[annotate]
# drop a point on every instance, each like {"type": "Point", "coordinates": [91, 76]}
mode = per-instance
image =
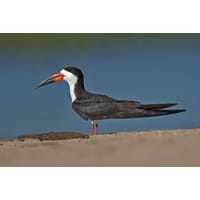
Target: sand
{"type": "Point", "coordinates": [169, 148]}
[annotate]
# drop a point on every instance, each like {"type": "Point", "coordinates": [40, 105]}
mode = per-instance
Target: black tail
{"type": "Point", "coordinates": [170, 112]}
{"type": "Point", "coordinates": [157, 106]}
{"type": "Point", "coordinates": [159, 109]}
{"type": "Point", "coordinates": [131, 110]}
{"type": "Point", "coordinates": [157, 113]}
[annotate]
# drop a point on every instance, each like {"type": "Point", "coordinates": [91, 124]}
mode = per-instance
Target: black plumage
{"type": "Point", "coordinates": [92, 106]}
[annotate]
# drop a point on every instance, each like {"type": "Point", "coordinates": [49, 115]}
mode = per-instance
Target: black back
{"type": "Point", "coordinates": [97, 107]}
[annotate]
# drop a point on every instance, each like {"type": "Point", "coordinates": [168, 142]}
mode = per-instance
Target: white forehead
{"type": "Point", "coordinates": [66, 73]}
{"type": "Point", "coordinates": [69, 77]}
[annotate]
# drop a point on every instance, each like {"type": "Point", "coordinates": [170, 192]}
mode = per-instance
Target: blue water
{"type": "Point", "coordinates": [150, 70]}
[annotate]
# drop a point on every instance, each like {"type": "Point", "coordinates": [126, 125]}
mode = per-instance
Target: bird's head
{"type": "Point", "coordinates": [69, 74]}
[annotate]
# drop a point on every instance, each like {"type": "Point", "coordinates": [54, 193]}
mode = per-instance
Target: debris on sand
{"type": "Point", "coordinates": [52, 136]}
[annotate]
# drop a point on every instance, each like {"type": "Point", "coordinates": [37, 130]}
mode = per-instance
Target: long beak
{"type": "Point", "coordinates": [52, 79]}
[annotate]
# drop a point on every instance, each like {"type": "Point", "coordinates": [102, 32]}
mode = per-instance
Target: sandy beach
{"type": "Point", "coordinates": [144, 149]}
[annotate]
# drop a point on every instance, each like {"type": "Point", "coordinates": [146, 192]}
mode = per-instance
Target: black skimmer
{"type": "Point", "coordinates": [95, 107]}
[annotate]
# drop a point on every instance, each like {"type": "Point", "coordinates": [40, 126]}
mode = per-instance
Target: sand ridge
{"type": "Point", "coordinates": [149, 148]}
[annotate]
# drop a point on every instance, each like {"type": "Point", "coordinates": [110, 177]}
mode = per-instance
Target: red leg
{"type": "Point", "coordinates": [94, 127]}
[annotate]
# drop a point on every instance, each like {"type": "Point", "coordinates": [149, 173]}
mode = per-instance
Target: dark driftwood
{"type": "Point", "coordinates": [54, 136]}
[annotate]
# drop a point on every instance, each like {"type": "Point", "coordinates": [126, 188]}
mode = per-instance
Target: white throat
{"type": "Point", "coordinates": [71, 79]}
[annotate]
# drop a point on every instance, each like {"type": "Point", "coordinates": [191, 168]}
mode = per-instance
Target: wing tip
{"type": "Point", "coordinates": [158, 106]}
{"type": "Point", "coordinates": [175, 111]}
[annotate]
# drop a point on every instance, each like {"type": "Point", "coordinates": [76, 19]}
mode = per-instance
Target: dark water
{"type": "Point", "coordinates": [151, 68]}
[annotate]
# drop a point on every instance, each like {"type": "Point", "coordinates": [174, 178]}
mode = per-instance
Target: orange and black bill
{"type": "Point", "coordinates": [52, 79]}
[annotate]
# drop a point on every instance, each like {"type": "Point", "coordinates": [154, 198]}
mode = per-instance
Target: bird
{"type": "Point", "coordinates": [95, 107]}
